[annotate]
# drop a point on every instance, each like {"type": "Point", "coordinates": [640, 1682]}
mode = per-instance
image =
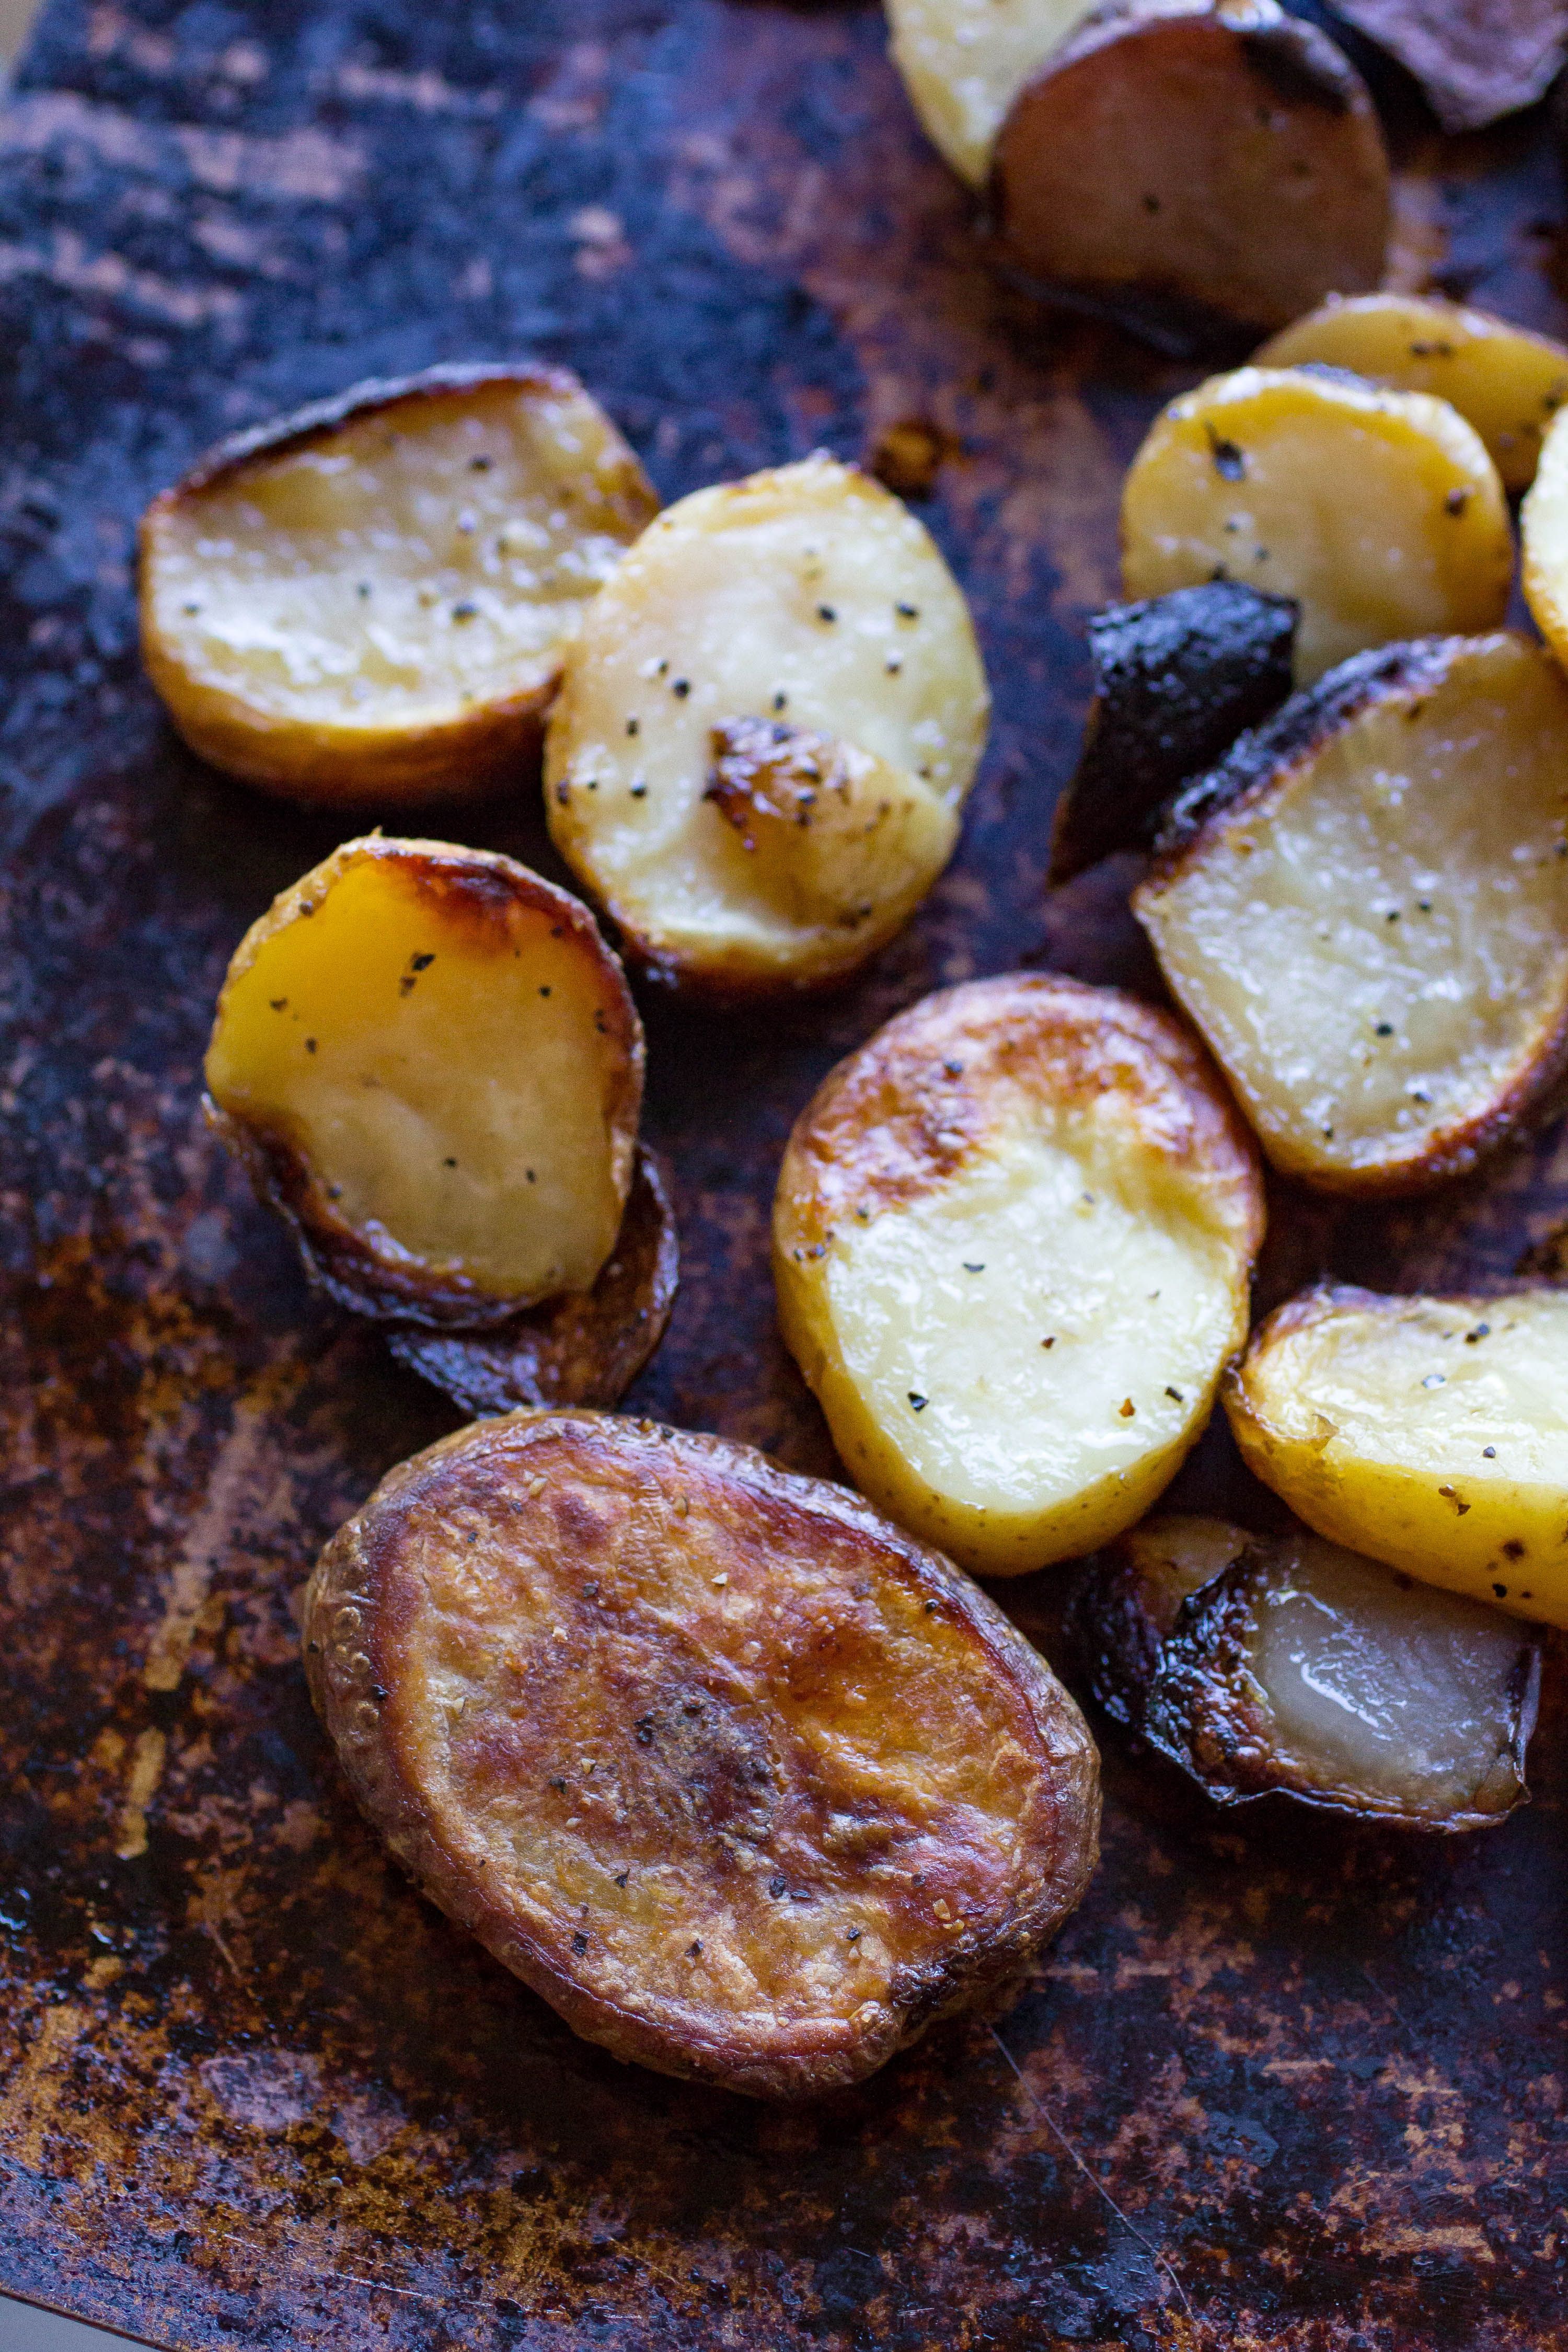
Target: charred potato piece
{"type": "Point", "coordinates": [1505, 381]}
{"type": "Point", "coordinates": [1176, 681]}
{"type": "Point", "coordinates": [1474, 62]}
{"type": "Point", "coordinates": [1544, 518]}
{"type": "Point", "coordinates": [1370, 921]}
{"type": "Point", "coordinates": [766, 731]}
{"type": "Point", "coordinates": [1217, 156]}
{"type": "Point", "coordinates": [1379, 511]}
{"type": "Point", "coordinates": [1012, 1241]}
{"type": "Point", "coordinates": [1428, 1432]}
{"type": "Point", "coordinates": [584, 1347]}
{"type": "Point", "coordinates": [964, 61]}
{"type": "Point", "coordinates": [748, 1786]}
{"type": "Point", "coordinates": [1284, 1663]}
{"type": "Point", "coordinates": [370, 601]}
{"type": "Point", "coordinates": [433, 1066]}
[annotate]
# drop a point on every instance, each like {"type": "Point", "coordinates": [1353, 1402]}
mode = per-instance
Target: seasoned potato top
{"type": "Point", "coordinates": [744, 1780]}
{"type": "Point", "coordinates": [809, 597]}
{"type": "Point", "coordinates": [401, 563]}
{"type": "Point", "coordinates": [1017, 1226]}
{"type": "Point", "coordinates": [964, 61]}
{"type": "Point", "coordinates": [443, 1065]}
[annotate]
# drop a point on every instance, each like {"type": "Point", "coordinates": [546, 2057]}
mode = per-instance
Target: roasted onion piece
{"type": "Point", "coordinates": [747, 1785]}
{"type": "Point", "coordinates": [1365, 911]}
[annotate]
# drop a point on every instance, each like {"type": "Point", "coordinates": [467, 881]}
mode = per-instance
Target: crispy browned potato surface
{"type": "Point", "coordinates": [586, 1347]}
{"type": "Point", "coordinates": [1370, 921]}
{"type": "Point", "coordinates": [433, 1066]}
{"type": "Point", "coordinates": [369, 602]}
{"type": "Point", "coordinates": [1214, 154]}
{"type": "Point", "coordinates": [749, 1787]}
{"type": "Point", "coordinates": [1012, 1240]}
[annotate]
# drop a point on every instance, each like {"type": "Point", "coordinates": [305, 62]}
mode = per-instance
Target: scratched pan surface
{"type": "Point", "coordinates": [1279, 2083]}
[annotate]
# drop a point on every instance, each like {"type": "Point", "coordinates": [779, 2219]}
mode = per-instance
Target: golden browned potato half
{"type": "Point", "coordinates": [1012, 1240]}
{"type": "Point", "coordinates": [1428, 1432]}
{"type": "Point", "coordinates": [766, 731]}
{"type": "Point", "coordinates": [1285, 1663]}
{"type": "Point", "coordinates": [433, 1065]}
{"type": "Point", "coordinates": [369, 602]}
{"type": "Point", "coordinates": [1379, 511]}
{"type": "Point", "coordinates": [1506, 381]}
{"type": "Point", "coordinates": [748, 1786]}
{"type": "Point", "coordinates": [964, 61]}
{"type": "Point", "coordinates": [1365, 911]}
{"type": "Point", "coordinates": [1215, 155]}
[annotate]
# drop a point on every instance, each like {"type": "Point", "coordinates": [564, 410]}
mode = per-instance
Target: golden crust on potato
{"type": "Point", "coordinates": [1431, 1433]}
{"type": "Point", "coordinates": [1379, 512]}
{"type": "Point", "coordinates": [433, 1066]}
{"type": "Point", "coordinates": [1506, 381]}
{"type": "Point", "coordinates": [964, 61]}
{"type": "Point", "coordinates": [1012, 1240]}
{"type": "Point", "coordinates": [1218, 156]}
{"type": "Point", "coordinates": [1364, 909]}
{"type": "Point", "coordinates": [748, 1786]}
{"type": "Point", "coordinates": [808, 602]}
{"type": "Point", "coordinates": [369, 601]}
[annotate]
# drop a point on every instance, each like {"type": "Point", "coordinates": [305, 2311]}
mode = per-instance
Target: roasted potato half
{"type": "Point", "coordinates": [1176, 681]}
{"type": "Point", "coordinates": [1379, 511]}
{"type": "Point", "coordinates": [1286, 1663]}
{"type": "Point", "coordinates": [748, 1786]}
{"type": "Point", "coordinates": [766, 731]}
{"type": "Point", "coordinates": [586, 1347]}
{"type": "Point", "coordinates": [1428, 1432]}
{"type": "Point", "coordinates": [1215, 155]}
{"type": "Point", "coordinates": [1507, 381]}
{"type": "Point", "coordinates": [1365, 911]}
{"type": "Point", "coordinates": [1544, 518]}
{"type": "Point", "coordinates": [433, 1066]}
{"type": "Point", "coordinates": [369, 601]}
{"type": "Point", "coordinates": [964, 61]}
{"type": "Point", "coordinates": [1012, 1239]}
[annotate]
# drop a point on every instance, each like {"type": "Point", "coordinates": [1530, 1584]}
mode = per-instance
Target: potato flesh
{"type": "Point", "coordinates": [1505, 381]}
{"type": "Point", "coordinates": [1372, 1418]}
{"type": "Point", "coordinates": [1544, 518]}
{"type": "Point", "coordinates": [1379, 512]}
{"type": "Point", "coordinates": [447, 1084]}
{"type": "Point", "coordinates": [1381, 944]}
{"type": "Point", "coordinates": [718, 615]}
{"type": "Point", "coordinates": [416, 562]}
{"type": "Point", "coordinates": [964, 61]}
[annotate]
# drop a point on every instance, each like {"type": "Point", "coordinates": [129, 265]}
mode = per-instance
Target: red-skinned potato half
{"type": "Point", "coordinates": [1012, 1240]}
{"type": "Point", "coordinates": [750, 1788]}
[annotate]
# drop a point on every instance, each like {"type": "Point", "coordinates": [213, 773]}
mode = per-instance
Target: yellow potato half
{"type": "Point", "coordinates": [766, 731]}
{"type": "Point", "coordinates": [1379, 511]}
{"type": "Point", "coordinates": [1506, 381]}
{"type": "Point", "coordinates": [369, 601]}
{"type": "Point", "coordinates": [964, 61]}
{"type": "Point", "coordinates": [1012, 1241]}
{"type": "Point", "coordinates": [432, 1064]}
{"type": "Point", "coordinates": [1431, 1433]}
{"type": "Point", "coordinates": [1544, 520]}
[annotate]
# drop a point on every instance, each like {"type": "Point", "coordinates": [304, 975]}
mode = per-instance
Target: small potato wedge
{"type": "Point", "coordinates": [369, 601]}
{"type": "Point", "coordinates": [748, 1786]}
{"type": "Point", "coordinates": [1365, 911]}
{"type": "Point", "coordinates": [1379, 511]}
{"type": "Point", "coordinates": [1012, 1241]}
{"type": "Point", "coordinates": [1218, 156]}
{"type": "Point", "coordinates": [1286, 1663]}
{"type": "Point", "coordinates": [766, 731]}
{"type": "Point", "coordinates": [433, 1066]}
{"type": "Point", "coordinates": [584, 1347]}
{"type": "Point", "coordinates": [964, 61]}
{"type": "Point", "coordinates": [1428, 1432]}
{"type": "Point", "coordinates": [1177, 680]}
{"type": "Point", "coordinates": [1506, 381]}
{"type": "Point", "coordinates": [1544, 527]}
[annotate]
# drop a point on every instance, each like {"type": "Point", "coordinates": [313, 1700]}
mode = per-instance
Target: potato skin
{"type": "Point", "coordinates": [323, 765]}
{"type": "Point", "coordinates": [905, 1113]}
{"type": "Point", "coordinates": [752, 1728]}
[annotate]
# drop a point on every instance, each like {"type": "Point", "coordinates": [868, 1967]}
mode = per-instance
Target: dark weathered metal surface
{"type": "Point", "coordinates": [1280, 2084]}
